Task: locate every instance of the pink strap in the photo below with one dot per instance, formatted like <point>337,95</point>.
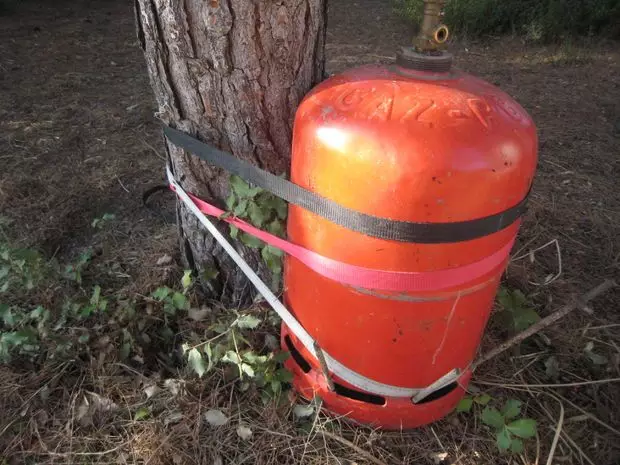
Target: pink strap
<point>367,278</point>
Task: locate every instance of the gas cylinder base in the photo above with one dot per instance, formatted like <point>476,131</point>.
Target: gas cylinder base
<point>387,413</point>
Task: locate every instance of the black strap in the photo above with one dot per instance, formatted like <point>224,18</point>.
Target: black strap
<point>383,228</point>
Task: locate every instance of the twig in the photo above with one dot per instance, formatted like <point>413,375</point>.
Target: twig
<point>545,322</point>
<point>346,442</point>
<point>558,431</point>
<point>559,385</point>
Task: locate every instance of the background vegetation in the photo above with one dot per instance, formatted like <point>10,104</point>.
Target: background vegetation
<point>544,20</point>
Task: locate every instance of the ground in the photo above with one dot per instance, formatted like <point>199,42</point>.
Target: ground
<point>78,139</point>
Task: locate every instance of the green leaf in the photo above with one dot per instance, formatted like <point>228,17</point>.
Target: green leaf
<point>196,362</point>
<point>283,375</point>
<point>492,417</point>
<point>247,369</point>
<point>482,399</point>
<point>83,339</point>
<point>179,301</point>
<point>503,440</point>
<point>256,214</point>
<point>281,208</point>
<point>234,231</point>
<point>241,208</point>
<point>94,299</point>
<point>231,201</point>
<point>161,293</point>
<point>209,352</point>
<point>250,241</point>
<point>516,446</point>
<point>524,428</point>
<point>239,186</point>
<point>248,322</point>
<point>125,350</point>
<point>231,357</point>
<point>186,280</point>
<point>272,260</point>
<point>14,338</point>
<point>524,318</point>
<point>281,356</point>
<point>209,273</point>
<point>141,414</point>
<point>512,409</point>
<point>7,316</point>
<point>4,271</point>
<point>253,358</point>
<point>465,404</point>
<point>276,228</point>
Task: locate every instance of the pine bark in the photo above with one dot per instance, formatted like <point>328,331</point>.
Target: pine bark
<point>232,73</point>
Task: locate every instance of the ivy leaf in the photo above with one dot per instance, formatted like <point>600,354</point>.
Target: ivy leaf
<point>516,446</point>
<point>503,440</point>
<point>465,404</point>
<point>512,409</point>
<point>196,362</point>
<point>523,428</point>
<point>250,241</point>
<point>248,322</point>
<point>482,399</point>
<point>492,417</point>
<point>179,301</point>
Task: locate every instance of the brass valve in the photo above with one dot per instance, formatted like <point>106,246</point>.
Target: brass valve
<point>433,34</point>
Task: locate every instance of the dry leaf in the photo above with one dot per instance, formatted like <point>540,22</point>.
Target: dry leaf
<point>303,411</point>
<point>198,314</point>
<point>244,432</point>
<point>164,260</point>
<point>216,418</point>
<point>151,390</point>
<point>175,386</point>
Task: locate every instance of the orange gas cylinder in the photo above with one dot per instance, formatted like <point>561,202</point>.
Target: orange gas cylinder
<point>445,151</point>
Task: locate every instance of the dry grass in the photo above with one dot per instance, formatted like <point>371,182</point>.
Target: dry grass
<point>77,140</point>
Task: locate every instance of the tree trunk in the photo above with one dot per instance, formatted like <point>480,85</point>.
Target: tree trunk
<point>232,73</point>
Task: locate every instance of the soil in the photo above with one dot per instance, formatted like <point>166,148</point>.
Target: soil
<point>78,139</point>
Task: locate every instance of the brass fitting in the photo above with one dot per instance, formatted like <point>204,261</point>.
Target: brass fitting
<point>433,34</point>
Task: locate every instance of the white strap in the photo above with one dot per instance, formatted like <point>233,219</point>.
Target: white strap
<point>337,368</point>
